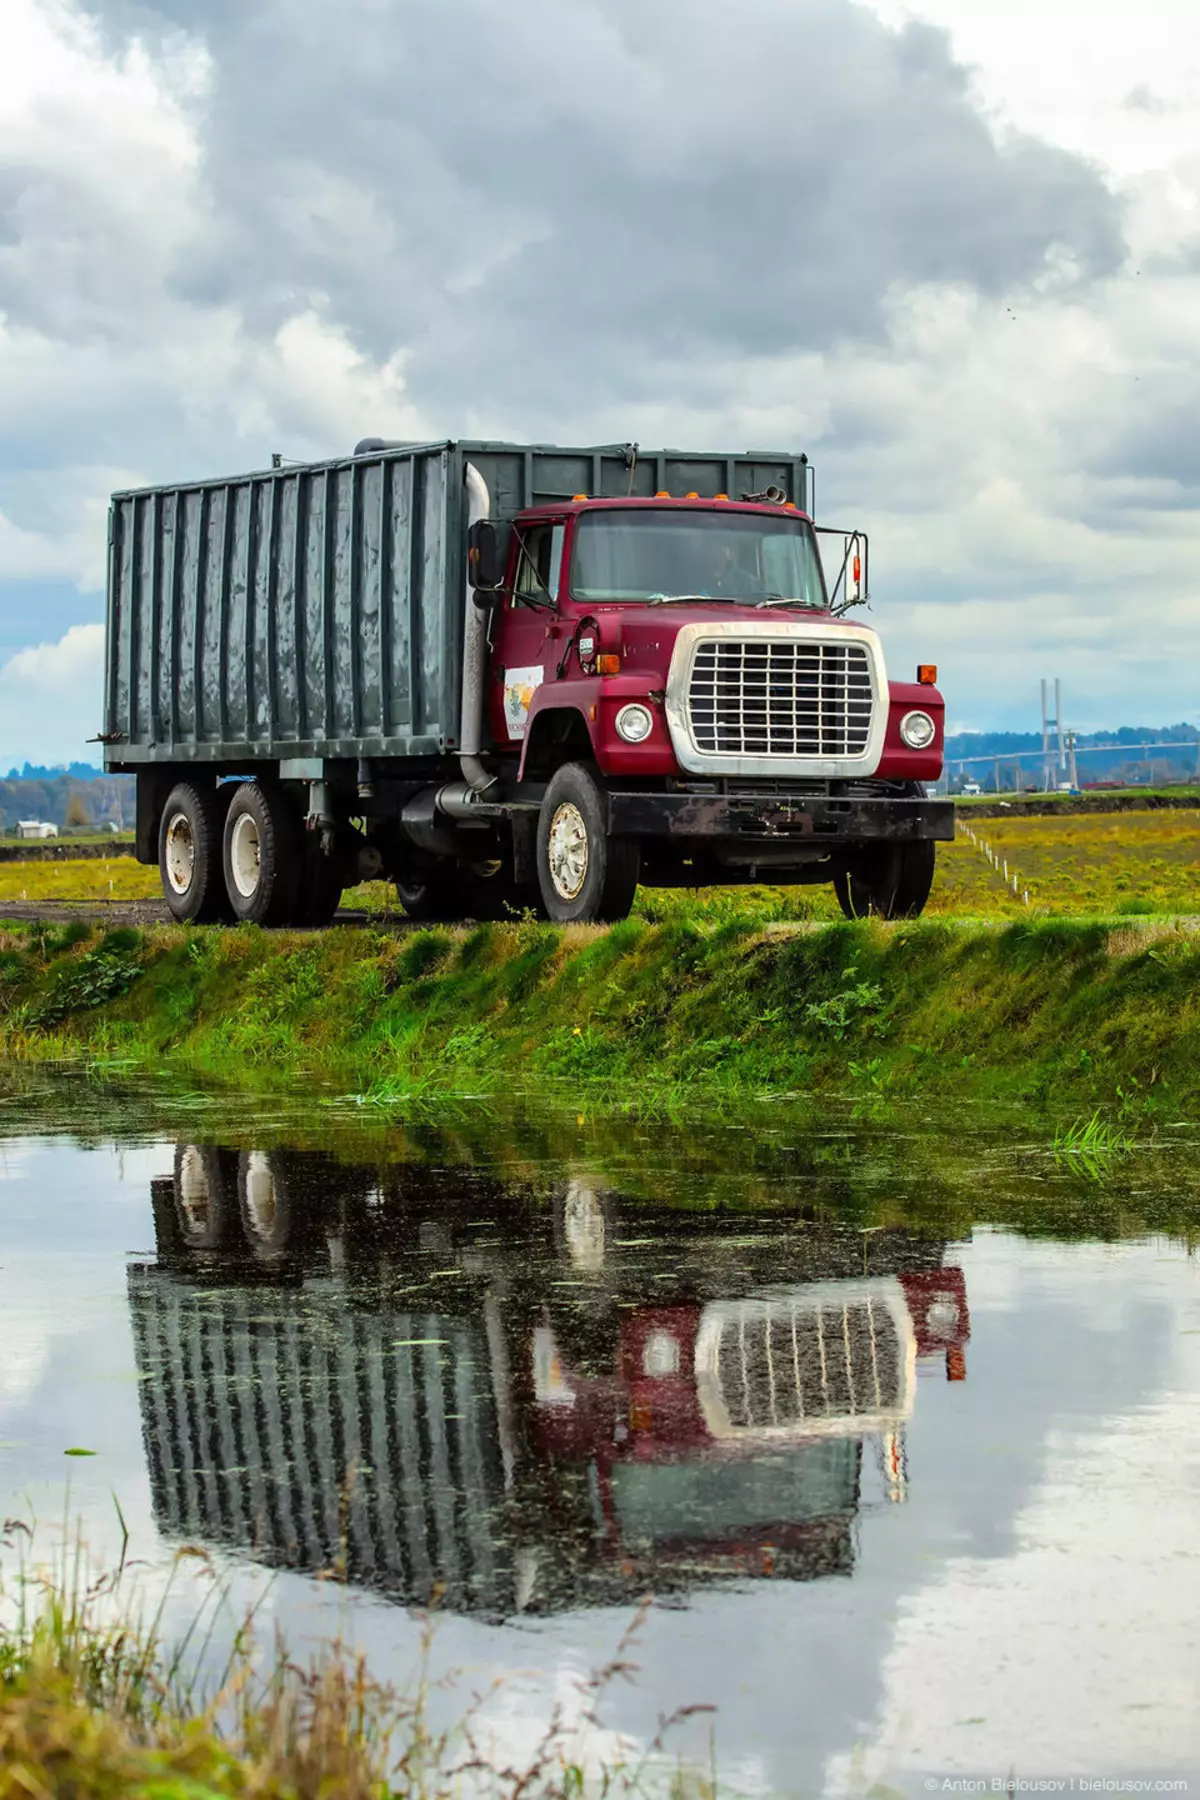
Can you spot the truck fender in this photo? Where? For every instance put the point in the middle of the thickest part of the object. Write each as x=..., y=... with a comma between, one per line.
x=556, y=731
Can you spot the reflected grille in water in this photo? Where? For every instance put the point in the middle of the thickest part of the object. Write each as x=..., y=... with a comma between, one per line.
x=806, y=1361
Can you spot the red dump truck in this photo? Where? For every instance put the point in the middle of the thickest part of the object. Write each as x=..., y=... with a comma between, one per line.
x=510, y=676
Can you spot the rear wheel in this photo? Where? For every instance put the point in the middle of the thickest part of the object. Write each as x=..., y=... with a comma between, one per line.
x=891, y=881
x=262, y=855
x=205, y=1207
x=276, y=1215
x=584, y=874
x=189, y=853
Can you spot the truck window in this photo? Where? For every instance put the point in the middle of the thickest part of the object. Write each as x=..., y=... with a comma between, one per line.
x=540, y=569
x=655, y=552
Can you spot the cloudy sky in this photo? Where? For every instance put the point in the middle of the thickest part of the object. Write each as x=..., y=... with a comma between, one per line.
x=952, y=251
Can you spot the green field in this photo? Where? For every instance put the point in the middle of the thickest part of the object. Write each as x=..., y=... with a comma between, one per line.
x=1071, y=865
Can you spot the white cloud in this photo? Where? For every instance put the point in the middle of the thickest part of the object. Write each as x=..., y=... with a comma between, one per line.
x=191, y=278
x=50, y=699
x=1072, y=1655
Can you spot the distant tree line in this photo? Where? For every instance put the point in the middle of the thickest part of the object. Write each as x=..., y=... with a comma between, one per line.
x=67, y=800
x=78, y=771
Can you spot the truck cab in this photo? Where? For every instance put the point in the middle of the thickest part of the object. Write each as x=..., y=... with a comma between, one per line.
x=720, y=717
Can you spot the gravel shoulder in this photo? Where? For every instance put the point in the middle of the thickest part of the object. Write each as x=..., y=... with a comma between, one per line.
x=142, y=912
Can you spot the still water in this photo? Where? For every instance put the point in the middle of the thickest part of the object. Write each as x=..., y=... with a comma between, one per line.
x=898, y=1425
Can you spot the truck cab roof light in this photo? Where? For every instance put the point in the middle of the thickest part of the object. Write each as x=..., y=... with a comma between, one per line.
x=692, y=496
x=720, y=496
x=789, y=506
x=927, y=674
x=663, y=494
x=579, y=496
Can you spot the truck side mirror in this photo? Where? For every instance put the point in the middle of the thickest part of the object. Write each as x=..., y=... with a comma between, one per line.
x=487, y=554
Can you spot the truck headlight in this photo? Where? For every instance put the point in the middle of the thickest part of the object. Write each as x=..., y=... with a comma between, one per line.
x=634, y=723
x=917, y=729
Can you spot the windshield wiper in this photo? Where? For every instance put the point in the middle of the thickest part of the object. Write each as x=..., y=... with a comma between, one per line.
x=675, y=599
x=784, y=600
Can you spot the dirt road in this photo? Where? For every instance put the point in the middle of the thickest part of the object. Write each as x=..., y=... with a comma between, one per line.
x=141, y=912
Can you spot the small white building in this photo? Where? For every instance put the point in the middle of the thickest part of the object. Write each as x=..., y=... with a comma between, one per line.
x=35, y=828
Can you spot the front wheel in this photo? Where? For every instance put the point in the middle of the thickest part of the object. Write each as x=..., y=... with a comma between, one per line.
x=584, y=874
x=889, y=881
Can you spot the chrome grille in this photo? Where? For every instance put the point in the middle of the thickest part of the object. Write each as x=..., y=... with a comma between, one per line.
x=780, y=697
x=779, y=1364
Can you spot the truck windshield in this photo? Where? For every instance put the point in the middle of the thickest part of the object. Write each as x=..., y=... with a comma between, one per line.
x=658, y=554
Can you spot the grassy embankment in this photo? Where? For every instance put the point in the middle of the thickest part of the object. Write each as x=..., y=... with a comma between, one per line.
x=1063, y=1012
x=96, y=1705
x=723, y=991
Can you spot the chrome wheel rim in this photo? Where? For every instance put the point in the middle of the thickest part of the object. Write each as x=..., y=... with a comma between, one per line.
x=180, y=857
x=245, y=855
x=262, y=1203
x=195, y=1201
x=568, y=850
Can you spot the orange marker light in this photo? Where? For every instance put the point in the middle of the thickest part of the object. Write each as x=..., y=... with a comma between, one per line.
x=608, y=664
x=692, y=496
x=663, y=494
x=789, y=506
x=927, y=674
x=720, y=496
x=579, y=496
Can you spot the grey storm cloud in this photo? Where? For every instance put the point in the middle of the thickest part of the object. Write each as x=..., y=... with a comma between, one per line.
x=523, y=194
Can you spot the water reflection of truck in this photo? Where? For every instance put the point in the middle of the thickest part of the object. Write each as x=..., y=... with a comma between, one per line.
x=561, y=1425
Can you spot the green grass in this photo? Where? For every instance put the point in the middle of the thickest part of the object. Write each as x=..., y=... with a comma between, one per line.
x=1072, y=865
x=1063, y=1012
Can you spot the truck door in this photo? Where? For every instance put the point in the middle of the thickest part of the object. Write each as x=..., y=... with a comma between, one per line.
x=524, y=653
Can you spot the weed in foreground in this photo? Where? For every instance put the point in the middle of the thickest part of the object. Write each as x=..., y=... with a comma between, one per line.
x=96, y=1705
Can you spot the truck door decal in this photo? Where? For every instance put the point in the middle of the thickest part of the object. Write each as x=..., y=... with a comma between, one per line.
x=520, y=685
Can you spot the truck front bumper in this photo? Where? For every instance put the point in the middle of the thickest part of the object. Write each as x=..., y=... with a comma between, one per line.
x=807, y=820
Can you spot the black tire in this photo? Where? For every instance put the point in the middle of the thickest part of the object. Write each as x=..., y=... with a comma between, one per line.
x=261, y=855
x=584, y=875
x=274, y=1218
x=491, y=892
x=205, y=1206
x=288, y=1200
x=454, y=890
x=189, y=853
x=888, y=882
x=320, y=892
x=429, y=895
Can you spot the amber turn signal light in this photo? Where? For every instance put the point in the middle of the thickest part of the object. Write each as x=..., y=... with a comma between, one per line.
x=608, y=664
x=927, y=674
